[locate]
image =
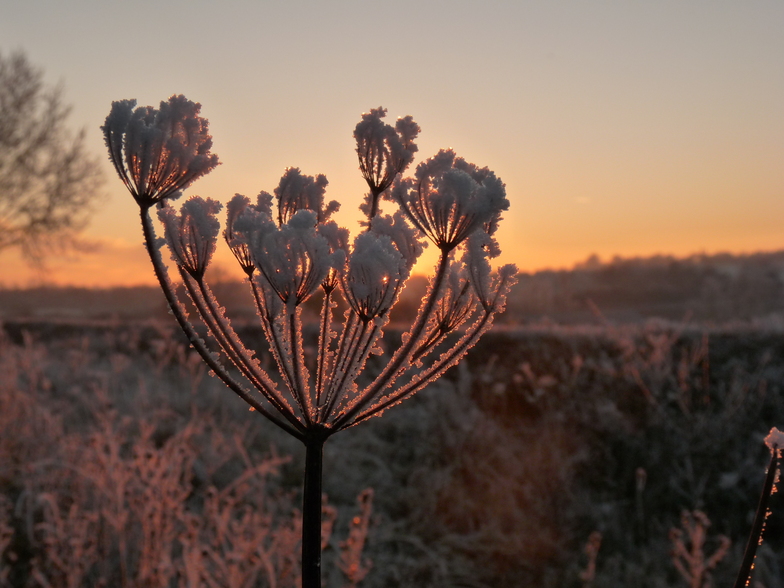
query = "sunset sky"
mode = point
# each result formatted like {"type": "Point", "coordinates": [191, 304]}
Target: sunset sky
{"type": "Point", "coordinates": [619, 127]}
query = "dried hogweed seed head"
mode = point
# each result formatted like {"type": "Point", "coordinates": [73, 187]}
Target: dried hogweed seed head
{"type": "Point", "coordinates": [192, 234]}
{"type": "Point", "coordinates": [449, 199]}
{"type": "Point", "coordinates": [235, 239]}
{"type": "Point", "coordinates": [337, 237]}
{"type": "Point", "coordinates": [457, 302]}
{"type": "Point", "coordinates": [300, 192]}
{"type": "Point", "coordinates": [384, 152]}
{"type": "Point", "coordinates": [405, 238]}
{"type": "Point", "coordinates": [243, 219]}
{"type": "Point", "coordinates": [373, 275]}
{"type": "Point", "coordinates": [293, 258]}
{"type": "Point", "coordinates": [490, 290]}
{"type": "Point", "coordinates": [158, 153]}
{"type": "Point", "coordinates": [775, 439]}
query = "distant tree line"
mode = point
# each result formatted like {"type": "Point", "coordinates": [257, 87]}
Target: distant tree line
{"type": "Point", "coordinates": [705, 288]}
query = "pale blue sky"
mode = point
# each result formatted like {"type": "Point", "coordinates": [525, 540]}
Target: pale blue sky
{"type": "Point", "coordinates": [625, 128]}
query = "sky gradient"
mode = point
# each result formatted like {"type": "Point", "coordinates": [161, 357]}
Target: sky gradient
{"type": "Point", "coordinates": [619, 128]}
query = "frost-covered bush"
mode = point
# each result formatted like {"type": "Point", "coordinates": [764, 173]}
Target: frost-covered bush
{"type": "Point", "coordinates": [290, 249]}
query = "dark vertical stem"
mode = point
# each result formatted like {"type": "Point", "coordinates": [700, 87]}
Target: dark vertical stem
{"type": "Point", "coordinates": [311, 508]}
{"type": "Point", "coordinates": [759, 523]}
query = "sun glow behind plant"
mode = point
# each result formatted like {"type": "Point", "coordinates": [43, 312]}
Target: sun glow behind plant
{"type": "Point", "coordinates": [628, 129]}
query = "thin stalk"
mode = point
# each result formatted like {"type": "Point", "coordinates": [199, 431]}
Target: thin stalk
{"type": "Point", "coordinates": [301, 377]}
{"type": "Point", "coordinates": [357, 361]}
{"type": "Point", "coordinates": [344, 362]}
{"type": "Point", "coordinates": [180, 315]}
{"type": "Point", "coordinates": [325, 340]}
{"type": "Point", "coordinates": [426, 376]}
{"type": "Point", "coordinates": [402, 355]}
{"type": "Point", "coordinates": [375, 193]}
{"type": "Point", "coordinates": [311, 507]}
{"type": "Point", "coordinates": [272, 338]}
{"type": "Point", "coordinates": [221, 329]}
{"type": "Point", "coordinates": [345, 340]}
{"type": "Point", "coordinates": [759, 523]}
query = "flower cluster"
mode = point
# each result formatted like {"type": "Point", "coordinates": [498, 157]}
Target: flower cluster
{"type": "Point", "coordinates": [384, 152]}
{"type": "Point", "coordinates": [291, 251]}
{"type": "Point", "coordinates": [158, 153]}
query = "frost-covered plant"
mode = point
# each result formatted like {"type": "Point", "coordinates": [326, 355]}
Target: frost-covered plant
{"type": "Point", "coordinates": [289, 249]}
{"type": "Point", "coordinates": [775, 442]}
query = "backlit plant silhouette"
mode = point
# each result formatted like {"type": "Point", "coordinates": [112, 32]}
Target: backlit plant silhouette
{"type": "Point", "coordinates": [292, 250]}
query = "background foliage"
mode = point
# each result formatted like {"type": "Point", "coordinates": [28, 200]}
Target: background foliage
{"type": "Point", "coordinates": [496, 477]}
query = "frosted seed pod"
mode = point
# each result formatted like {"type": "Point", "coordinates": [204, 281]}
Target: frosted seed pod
{"type": "Point", "coordinates": [158, 153]}
{"type": "Point", "coordinates": [192, 234]}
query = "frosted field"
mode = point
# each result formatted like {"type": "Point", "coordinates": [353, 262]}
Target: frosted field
{"type": "Point", "coordinates": [123, 463]}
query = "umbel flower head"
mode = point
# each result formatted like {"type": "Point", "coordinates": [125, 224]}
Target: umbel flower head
{"type": "Point", "coordinates": [374, 274]}
{"type": "Point", "coordinates": [300, 192]}
{"type": "Point", "coordinates": [449, 199]}
{"type": "Point", "coordinates": [293, 258]}
{"type": "Point", "coordinates": [192, 234]}
{"type": "Point", "coordinates": [158, 153]}
{"type": "Point", "coordinates": [384, 152]}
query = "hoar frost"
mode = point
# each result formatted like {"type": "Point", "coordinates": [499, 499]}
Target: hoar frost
{"type": "Point", "coordinates": [290, 251]}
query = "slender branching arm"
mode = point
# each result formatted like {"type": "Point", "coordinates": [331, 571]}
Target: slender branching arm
{"type": "Point", "coordinates": [180, 314]}
{"type": "Point", "coordinates": [220, 328]}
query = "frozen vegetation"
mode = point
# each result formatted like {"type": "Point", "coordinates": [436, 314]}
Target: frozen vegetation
{"type": "Point", "coordinates": [543, 442]}
{"type": "Point", "coordinates": [601, 456]}
{"type": "Point", "coordinates": [290, 250]}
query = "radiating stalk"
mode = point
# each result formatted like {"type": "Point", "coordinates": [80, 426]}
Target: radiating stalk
{"type": "Point", "coordinates": [198, 344]}
{"type": "Point", "coordinates": [403, 355]}
{"type": "Point", "coordinates": [421, 379]}
{"type": "Point", "coordinates": [325, 340]}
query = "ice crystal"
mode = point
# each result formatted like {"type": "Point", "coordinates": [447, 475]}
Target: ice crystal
{"type": "Point", "coordinates": [192, 234]}
{"type": "Point", "coordinates": [384, 152]}
{"type": "Point", "coordinates": [300, 192]}
{"type": "Point", "coordinates": [449, 199]}
{"type": "Point", "coordinates": [402, 234]}
{"type": "Point", "coordinates": [293, 258]}
{"type": "Point", "coordinates": [373, 277]}
{"type": "Point", "coordinates": [775, 439]}
{"type": "Point", "coordinates": [158, 153]}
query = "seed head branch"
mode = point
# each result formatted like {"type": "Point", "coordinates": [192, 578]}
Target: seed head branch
{"type": "Point", "coordinates": [288, 247]}
{"type": "Point", "coordinates": [180, 314]}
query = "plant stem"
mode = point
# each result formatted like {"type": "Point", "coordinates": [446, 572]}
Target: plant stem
{"type": "Point", "coordinates": [311, 507]}
{"type": "Point", "coordinates": [759, 523]}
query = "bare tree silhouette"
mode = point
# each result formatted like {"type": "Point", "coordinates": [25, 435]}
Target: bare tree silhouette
{"type": "Point", "coordinates": [48, 180]}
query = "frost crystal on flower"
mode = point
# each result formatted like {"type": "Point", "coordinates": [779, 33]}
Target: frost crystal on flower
{"type": "Point", "coordinates": [293, 258]}
{"type": "Point", "coordinates": [489, 289]}
{"type": "Point", "coordinates": [373, 276]}
{"type": "Point", "coordinates": [775, 439]}
{"type": "Point", "coordinates": [192, 234]}
{"type": "Point", "coordinates": [405, 238]}
{"type": "Point", "coordinates": [384, 152]}
{"type": "Point", "coordinates": [300, 192]}
{"type": "Point", "coordinates": [449, 199]}
{"type": "Point", "coordinates": [158, 153]}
